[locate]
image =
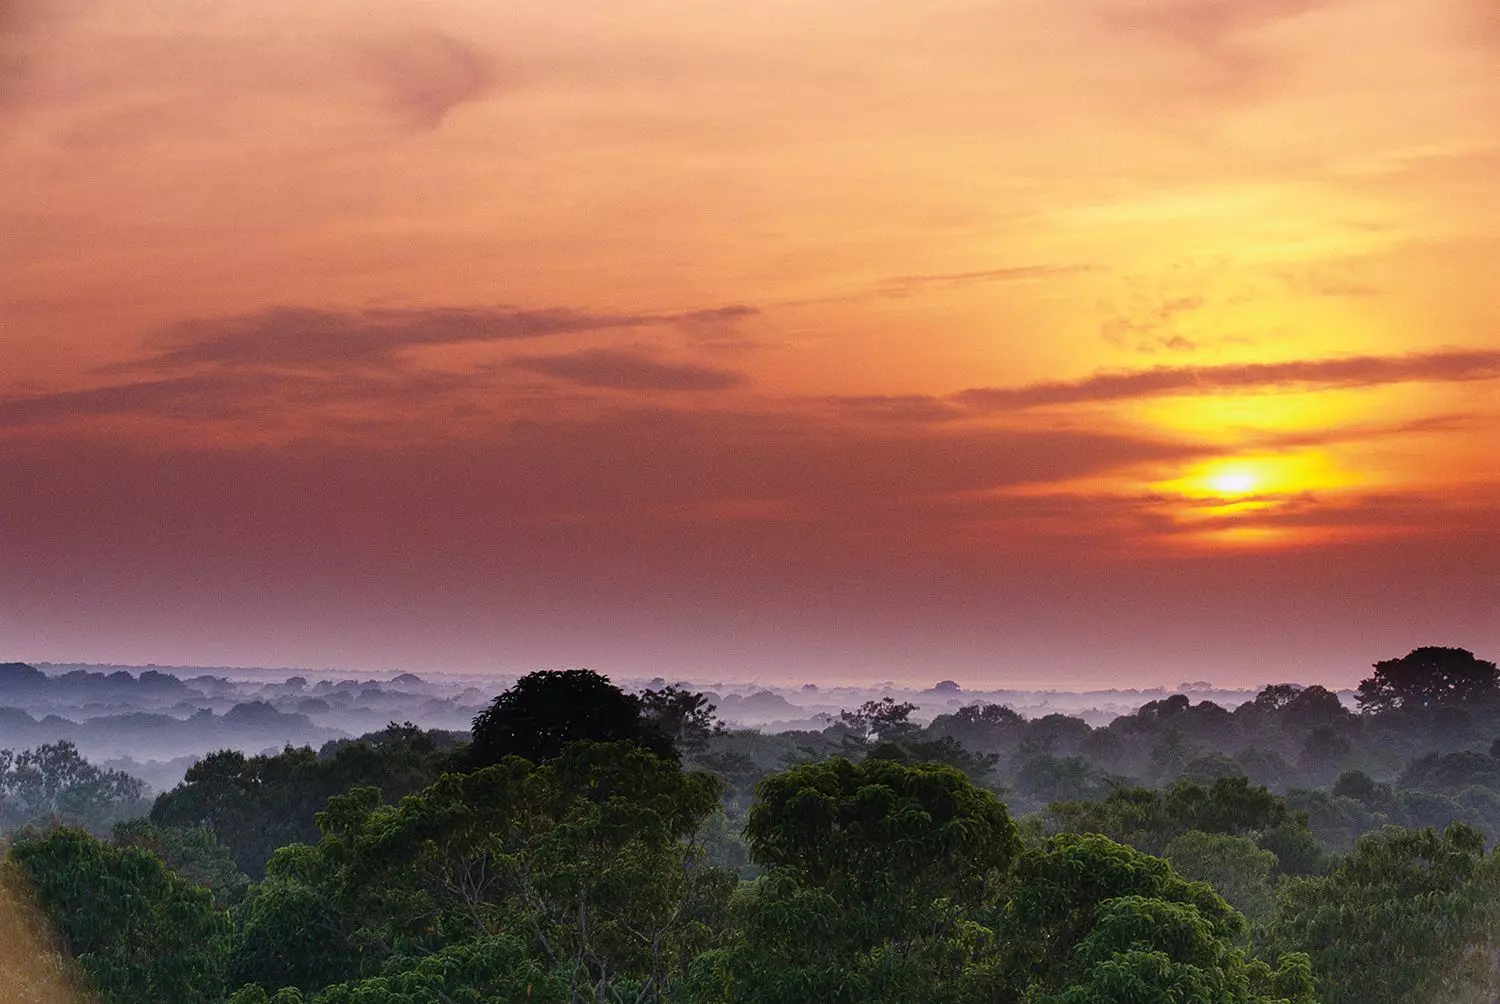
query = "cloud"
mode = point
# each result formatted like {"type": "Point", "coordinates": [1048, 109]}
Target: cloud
{"type": "Point", "coordinates": [899, 408]}
{"type": "Point", "coordinates": [228, 395]}
{"type": "Point", "coordinates": [320, 339]}
{"type": "Point", "coordinates": [20, 21]}
{"type": "Point", "coordinates": [1350, 371]}
{"type": "Point", "coordinates": [906, 285]}
{"type": "Point", "coordinates": [1150, 327]}
{"type": "Point", "coordinates": [616, 370]}
{"type": "Point", "coordinates": [1218, 31]}
{"type": "Point", "coordinates": [424, 75]}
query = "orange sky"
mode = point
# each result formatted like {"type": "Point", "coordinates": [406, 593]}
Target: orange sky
{"type": "Point", "coordinates": [1107, 340]}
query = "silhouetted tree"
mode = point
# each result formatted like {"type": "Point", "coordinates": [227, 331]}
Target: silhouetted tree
{"type": "Point", "coordinates": [684, 716]}
{"type": "Point", "coordinates": [1426, 677]}
{"type": "Point", "coordinates": [545, 711]}
{"type": "Point", "coordinates": [885, 719]}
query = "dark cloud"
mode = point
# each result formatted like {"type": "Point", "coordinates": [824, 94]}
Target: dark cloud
{"type": "Point", "coordinates": [617, 370]}
{"type": "Point", "coordinates": [319, 339]}
{"type": "Point", "coordinates": [228, 395]}
{"type": "Point", "coordinates": [425, 75]}
{"type": "Point", "coordinates": [1351, 371]}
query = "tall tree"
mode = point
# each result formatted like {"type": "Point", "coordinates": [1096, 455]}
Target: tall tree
{"type": "Point", "coordinates": [1428, 677]}
{"type": "Point", "coordinates": [546, 710]}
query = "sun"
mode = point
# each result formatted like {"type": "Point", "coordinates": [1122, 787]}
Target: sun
{"type": "Point", "coordinates": [1233, 481]}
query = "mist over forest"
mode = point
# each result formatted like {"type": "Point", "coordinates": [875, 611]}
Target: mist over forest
{"type": "Point", "coordinates": [208, 836]}
{"type": "Point", "coordinates": [153, 722]}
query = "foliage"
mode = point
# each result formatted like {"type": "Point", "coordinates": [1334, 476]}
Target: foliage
{"type": "Point", "coordinates": [685, 717]}
{"type": "Point", "coordinates": [545, 711]}
{"type": "Point", "coordinates": [253, 805]}
{"type": "Point", "coordinates": [1237, 868]}
{"type": "Point", "coordinates": [588, 858]}
{"type": "Point", "coordinates": [139, 932]}
{"type": "Point", "coordinates": [1151, 819]}
{"type": "Point", "coordinates": [1410, 916]}
{"type": "Point", "coordinates": [53, 784]}
{"type": "Point", "coordinates": [883, 837]}
{"type": "Point", "coordinates": [1095, 921]}
{"type": "Point", "coordinates": [193, 854]}
{"type": "Point", "coordinates": [1429, 676]}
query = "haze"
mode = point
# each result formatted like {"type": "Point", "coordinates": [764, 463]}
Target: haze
{"type": "Point", "coordinates": [1015, 343]}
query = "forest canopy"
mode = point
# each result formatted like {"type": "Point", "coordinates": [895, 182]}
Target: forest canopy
{"type": "Point", "coordinates": [589, 844]}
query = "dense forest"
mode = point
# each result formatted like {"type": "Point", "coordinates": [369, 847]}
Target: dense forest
{"type": "Point", "coordinates": [585, 843]}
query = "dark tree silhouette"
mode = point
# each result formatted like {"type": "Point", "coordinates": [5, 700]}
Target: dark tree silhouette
{"type": "Point", "coordinates": [1428, 677]}
{"type": "Point", "coordinates": [547, 710]}
{"type": "Point", "coordinates": [683, 715]}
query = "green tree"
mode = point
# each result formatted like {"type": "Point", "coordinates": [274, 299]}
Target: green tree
{"type": "Point", "coordinates": [1238, 869]}
{"type": "Point", "coordinates": [591, 858]}
{"type": "Point", "coordinates": [1410, 916]}
{"type": "Point", "coordinates": [875, 872]}
{"type": "Point", "coordinates": [1094, 921]}
{"type": "Point", "coordinates": [194, 854]}
{"type": "Point", "coordinates": [883, 837]}
{"type": "Point", "coordinates": [254, 805]}
{"type": "Point", "coordinates": [137, 930]}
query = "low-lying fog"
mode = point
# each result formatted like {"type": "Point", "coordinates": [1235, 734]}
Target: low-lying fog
{"type": "Point", "coordinates": [155, 722]}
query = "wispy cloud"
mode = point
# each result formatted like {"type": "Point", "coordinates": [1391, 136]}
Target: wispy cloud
{"type": "Point", "coordinates": [906, 285]}
{"type": "Point", "coordinates": [1350, 371]}
{"type": "Point", "coordinates": [613, 369]}
{"type": "Point", "coordinates": [320, 339]}
{"type": "Point", "coordinates": [426, 74]}
{"type": "Point", "coordinates": [1220, 32]}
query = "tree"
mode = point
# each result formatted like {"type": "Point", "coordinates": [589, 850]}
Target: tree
{"type": "Point", "coordinates": [1238, 870]}
{"type": "Point", "coordinates": [1411, 916]}
{"type": "Point", "coordinates": [193, 854]}
{"type": "Point", "coordinates": [54, 783]}
{"type": "Point", "coordinates": [1429, 677]}
{"type": "Point", "coordinates": [875, 872]}
{"type": "Point", "coordinates": [138, 931]}
{"type": "Point", "coordinates": [590, 859]}
{"type": "Point", "coordinates": [1095, 922]}
{"type": "Point", "coordinates": [546, 710]}
{"type": "Point", "coordinates": [881, 837]}
{"type": "Point", "coordinates": [683, 716]}
{"type": "Point", "coordinates": [886, 719]}
{"type": "Point", "coordinates": [253, 805]}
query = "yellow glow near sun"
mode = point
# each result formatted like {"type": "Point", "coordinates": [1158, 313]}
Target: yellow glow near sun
{"type": "Point", "coordinates": [1234, 481]}
{"type": "Point", "coordinates": [1247, 479]}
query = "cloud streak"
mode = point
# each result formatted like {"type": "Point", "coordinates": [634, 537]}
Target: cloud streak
{"type": "Point", "coordinates": [906, 285]}
{"type": "Point", "coordinates": [610, 369]}
{"type": "Point", "coordinates": [1346, 372]}
{"type": "Point", "coordinates": [320, 339]}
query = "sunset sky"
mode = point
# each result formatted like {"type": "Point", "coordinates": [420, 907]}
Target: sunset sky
{"type": "Point", "coordinates": [1103, 342]}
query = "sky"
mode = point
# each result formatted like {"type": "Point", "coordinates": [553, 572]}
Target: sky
{"type": "Point", "coordinates": [1007, 341]}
